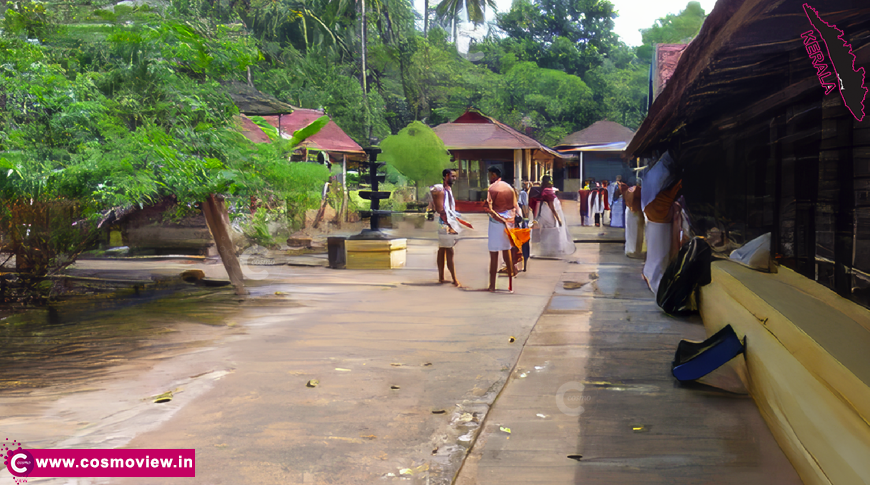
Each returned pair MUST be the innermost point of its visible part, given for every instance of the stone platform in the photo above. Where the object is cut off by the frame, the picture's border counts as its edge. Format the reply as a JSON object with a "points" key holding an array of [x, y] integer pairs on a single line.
{"points": [[376, 254]]}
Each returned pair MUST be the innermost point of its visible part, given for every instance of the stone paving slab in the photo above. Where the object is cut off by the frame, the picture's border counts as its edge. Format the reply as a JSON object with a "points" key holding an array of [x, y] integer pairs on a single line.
{"points": [[605, 392]]}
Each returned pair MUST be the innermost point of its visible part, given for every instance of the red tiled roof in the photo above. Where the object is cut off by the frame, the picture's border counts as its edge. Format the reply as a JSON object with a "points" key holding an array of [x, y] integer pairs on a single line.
{"points": [[252, 131], [331, 138], [600, 133], [666, 58], [474, 131]]}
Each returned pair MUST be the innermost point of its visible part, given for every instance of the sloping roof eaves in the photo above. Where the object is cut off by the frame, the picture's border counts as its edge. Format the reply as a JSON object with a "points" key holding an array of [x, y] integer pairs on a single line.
{"points": [[477, 136], [331, 138], [253, 102], [252, 131], [609, 147], [714, 34], [741, 53], [598, 133], [475, 131]]}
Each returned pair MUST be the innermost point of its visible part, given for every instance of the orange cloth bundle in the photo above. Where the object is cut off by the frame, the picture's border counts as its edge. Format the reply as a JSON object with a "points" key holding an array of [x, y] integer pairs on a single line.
{"points": [[632, 198], [660, 209], [519, 237]]}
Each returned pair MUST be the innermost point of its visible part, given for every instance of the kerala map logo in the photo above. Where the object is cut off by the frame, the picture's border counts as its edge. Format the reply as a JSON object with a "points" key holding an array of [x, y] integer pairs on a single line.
{"points": [[842, 73]]}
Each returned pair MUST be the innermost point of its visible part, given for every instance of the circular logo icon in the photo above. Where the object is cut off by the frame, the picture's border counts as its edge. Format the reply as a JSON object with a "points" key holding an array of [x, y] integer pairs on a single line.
{"points": [[566, 404], [20, 463], [251, 263]]}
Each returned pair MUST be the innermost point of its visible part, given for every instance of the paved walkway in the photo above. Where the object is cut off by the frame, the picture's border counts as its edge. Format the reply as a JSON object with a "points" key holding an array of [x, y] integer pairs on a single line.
{"points": [[411, 376], [591, 399]]}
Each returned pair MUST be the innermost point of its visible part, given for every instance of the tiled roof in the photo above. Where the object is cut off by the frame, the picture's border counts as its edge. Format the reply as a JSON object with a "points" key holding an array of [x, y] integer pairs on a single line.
{"points": [[473, 131], [252, 131], [331, 138], [600, 133]]}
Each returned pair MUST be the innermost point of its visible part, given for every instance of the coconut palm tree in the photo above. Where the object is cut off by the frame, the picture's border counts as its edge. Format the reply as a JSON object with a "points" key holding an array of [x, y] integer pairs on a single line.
{"points": [[474, 9]]}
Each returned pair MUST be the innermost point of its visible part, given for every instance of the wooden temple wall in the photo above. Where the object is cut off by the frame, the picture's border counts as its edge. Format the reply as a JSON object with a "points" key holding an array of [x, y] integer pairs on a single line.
{"points": [[801, 171], [809, 184]]}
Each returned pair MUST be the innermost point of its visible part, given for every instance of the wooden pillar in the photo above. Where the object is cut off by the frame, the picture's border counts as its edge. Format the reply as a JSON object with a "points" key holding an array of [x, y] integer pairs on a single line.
{"points": [[342, 214], [518, 169], [528, 172], [777, 130], [218, 221], [835, 207]]}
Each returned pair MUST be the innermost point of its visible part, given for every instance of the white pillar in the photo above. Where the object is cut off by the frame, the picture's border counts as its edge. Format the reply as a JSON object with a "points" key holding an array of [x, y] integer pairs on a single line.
{"points": [[518, 169], [582, 176]]}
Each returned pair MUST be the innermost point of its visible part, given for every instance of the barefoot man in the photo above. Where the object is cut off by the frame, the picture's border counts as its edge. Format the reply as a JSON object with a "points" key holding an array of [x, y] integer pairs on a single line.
{"points": [[501, 205], [448, 224]]}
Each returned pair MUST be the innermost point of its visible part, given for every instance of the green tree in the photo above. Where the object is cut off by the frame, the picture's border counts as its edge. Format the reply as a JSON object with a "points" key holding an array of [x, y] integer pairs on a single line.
{"points": [[552, 102], [672, 29], [621, 93], [417, 153], [323, 81], [571, 35], [133, 119], [451, 10]]}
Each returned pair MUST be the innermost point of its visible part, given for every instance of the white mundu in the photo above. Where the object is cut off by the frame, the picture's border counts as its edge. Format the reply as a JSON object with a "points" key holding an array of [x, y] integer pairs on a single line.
{"points": [[445, 238]]}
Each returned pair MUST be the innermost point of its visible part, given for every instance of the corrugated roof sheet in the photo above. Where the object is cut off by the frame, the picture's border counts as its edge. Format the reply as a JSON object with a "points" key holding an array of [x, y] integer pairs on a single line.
{"points": [[599, 133], [331, 138], [609, 147]]}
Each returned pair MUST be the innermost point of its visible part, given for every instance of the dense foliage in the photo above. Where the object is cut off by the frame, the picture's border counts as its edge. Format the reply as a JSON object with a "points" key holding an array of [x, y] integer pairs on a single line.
{"points": [[313, 49], [673, 29], [121, 109]]}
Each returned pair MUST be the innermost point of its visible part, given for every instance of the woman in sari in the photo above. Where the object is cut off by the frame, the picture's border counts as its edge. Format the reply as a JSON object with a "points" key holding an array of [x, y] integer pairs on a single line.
{"points": [[550, 237]]}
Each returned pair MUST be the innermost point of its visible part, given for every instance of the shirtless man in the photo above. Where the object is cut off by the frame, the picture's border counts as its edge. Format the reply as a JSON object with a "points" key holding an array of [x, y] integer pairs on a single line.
{"points": [[448, 226], [501, 205]]}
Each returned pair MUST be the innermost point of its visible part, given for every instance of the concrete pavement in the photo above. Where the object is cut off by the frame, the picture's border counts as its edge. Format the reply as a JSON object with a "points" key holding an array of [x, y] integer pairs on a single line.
{"points": [[410, 373], [592, 400]]}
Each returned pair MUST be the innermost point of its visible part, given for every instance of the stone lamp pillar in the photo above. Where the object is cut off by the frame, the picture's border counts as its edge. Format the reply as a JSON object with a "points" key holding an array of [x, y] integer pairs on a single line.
{"points": [[371, 248]]}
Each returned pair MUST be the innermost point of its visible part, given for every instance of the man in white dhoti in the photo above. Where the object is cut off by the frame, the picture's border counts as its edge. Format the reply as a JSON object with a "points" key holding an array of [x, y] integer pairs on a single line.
{"points": [[448, 223], [501, 205], [635, 222], [662, 185], [596, 207], [617, 203], [583, 200]]}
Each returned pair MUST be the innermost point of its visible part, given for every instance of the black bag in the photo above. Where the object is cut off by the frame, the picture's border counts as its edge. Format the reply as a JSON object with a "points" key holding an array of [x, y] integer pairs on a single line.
{"points": [[686, 273]]}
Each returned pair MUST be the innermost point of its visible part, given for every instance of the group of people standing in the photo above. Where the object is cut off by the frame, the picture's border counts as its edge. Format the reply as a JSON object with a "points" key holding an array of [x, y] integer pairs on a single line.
{"points": [[653, 221], [536, 208], [601, 203]]}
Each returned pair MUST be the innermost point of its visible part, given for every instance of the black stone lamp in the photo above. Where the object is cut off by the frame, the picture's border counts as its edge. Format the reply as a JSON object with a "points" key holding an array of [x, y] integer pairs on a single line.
{"points": [[373, 195]]}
